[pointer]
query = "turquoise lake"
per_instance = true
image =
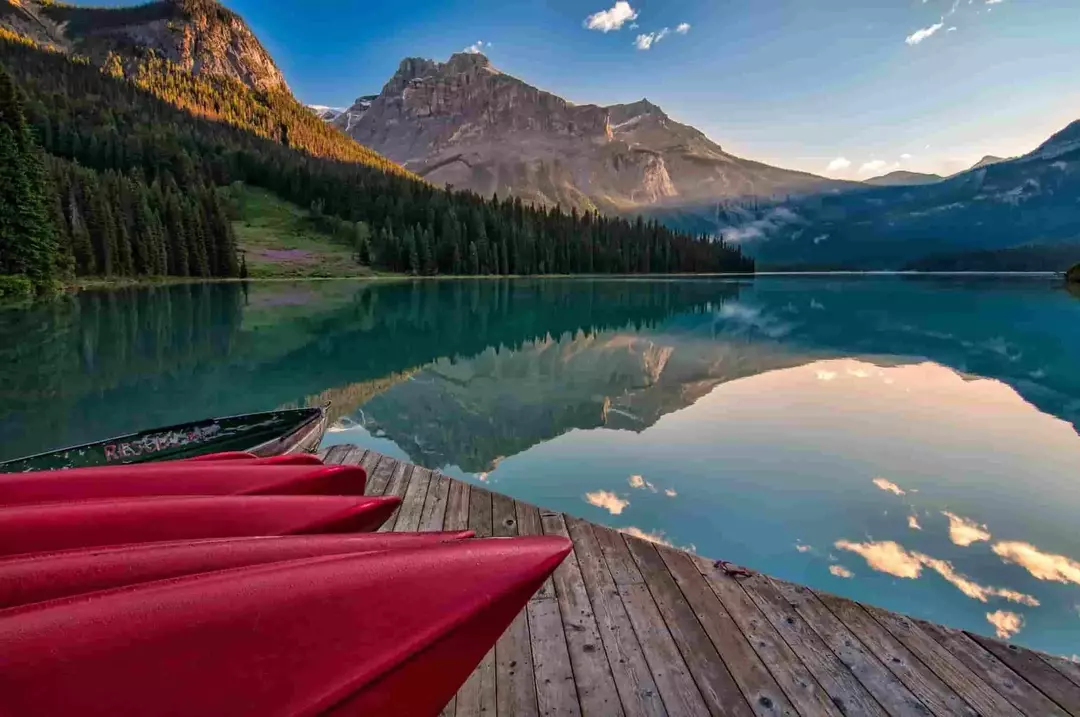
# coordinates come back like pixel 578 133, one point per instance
pixel 910 442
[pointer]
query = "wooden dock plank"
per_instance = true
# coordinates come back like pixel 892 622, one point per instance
pixel 368 461
pixel 886 688
pixel 945 665
pixel 433 515
pixel 1069 668
pixel 993 671
pixel 845 690
pixel 556 690
pixel 515 687
pixel 412 505
pixel 353 456
pixel 750 673
pixel 457 506
pixel 382 470
pixel 718 688
pixel 790 673
pixel 633 680
pixel 1035 670
pixel 336 453
pixel 398 485
pixel 477 695
pixel 597 693
pixel 918 678
pixel 678 690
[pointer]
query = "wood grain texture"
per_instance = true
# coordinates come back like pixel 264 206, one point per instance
pixel 457 506
pixel 412 505
pixel 382 470
pixel 336 453
pixel 515 686
pixel 1035 670
pixel 478 695
pixel 398 484
pixel 433 516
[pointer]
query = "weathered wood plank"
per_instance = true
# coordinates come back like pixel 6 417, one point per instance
pixel 528 518
pixel 993 671
pixel 845 690
pixel 790 673
pixel 882 684
pixel 515 686
pixel 945 665
pixel 750 673
pixel 336 453
pixel 721 694
pixel 380 473
pixel 412 505
pixel 434 513
pixel 677 688
pixel 1032 668
pixel 918 678
pixel 321 453
pixel 634 681
pixel 457 506
pixel 353 456
pixel 1068 668
pixel 556 690
pixel 592 673
pixel 368 461
pixel 398 485
pixel 477 696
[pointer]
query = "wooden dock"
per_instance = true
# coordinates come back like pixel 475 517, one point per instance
pixel 628 627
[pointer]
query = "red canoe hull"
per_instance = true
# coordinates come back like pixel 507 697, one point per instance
pixel 49 576
pixel 180 478
pixel 388 633
pixel 87 524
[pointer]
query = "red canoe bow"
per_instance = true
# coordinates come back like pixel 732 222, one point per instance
pixel 91 523
pixel 389 633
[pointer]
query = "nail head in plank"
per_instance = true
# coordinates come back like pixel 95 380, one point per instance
pixel 787 669
pixel 504 522
pixel 879 681
pixel 596 686
pixel 634 681
pixel 916 676
pixel 480 512
pixel 757 684
pixel 993 671
pixel 1032 668
pixel 515 685
pixel 528 519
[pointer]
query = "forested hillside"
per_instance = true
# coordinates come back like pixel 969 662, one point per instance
pixel 136 159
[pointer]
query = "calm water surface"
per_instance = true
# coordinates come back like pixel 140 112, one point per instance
pixel 907 442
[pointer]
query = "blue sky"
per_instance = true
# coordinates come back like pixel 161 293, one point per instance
pixel 882 84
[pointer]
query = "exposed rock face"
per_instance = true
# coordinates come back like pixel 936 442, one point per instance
pixel 465 123
pixel 199 35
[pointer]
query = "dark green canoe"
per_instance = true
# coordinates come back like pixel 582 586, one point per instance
pixel 264 434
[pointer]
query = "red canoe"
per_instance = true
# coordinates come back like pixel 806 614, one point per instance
pixel 180 478
pixel 390 633
pixel 91 523
pixel 49 576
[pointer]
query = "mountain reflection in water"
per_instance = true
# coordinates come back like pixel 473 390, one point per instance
pixel 907 442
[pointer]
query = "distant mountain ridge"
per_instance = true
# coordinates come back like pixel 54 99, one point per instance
pixel 200 36
pixel 465 123
pixel 901 178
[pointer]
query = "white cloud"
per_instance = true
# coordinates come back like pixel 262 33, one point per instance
pixel 951 29
pixel 891 558
pixel 607 500
pixel 840 571
pixel 913 522
pixel 611 19
pixel 905 156
pixel 964 532
pixel 837 164
pixel 670 492
pixel 1005 623
pixel 646 41
pixel 639 482
pixel 887 485
pixel 653 537
pixel 994 2
pixel 803 548
pixel 477 47
pixel 877 166
pixel 1044 566
pixel 634 26
pixel 683 28
pixel 919 35
pixel 826 375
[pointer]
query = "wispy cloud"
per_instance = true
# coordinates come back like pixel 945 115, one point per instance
pixel 888 486
pixel 611 19
pixel 636 481
pixel 840 571
pixel 876 166
pixel 913 522
pixel 670 492
pixel 994 2
pixel 891 558
pixel 477 47
pixel 1005 623
pixel 607 500
pixel 919 35
pixel 964 532
pixel 653 537
pixel 951 29
pixel 905 156
pixel 826 375
pixel 838 164
pixel 683 28
pixel 1044 566
pixel 646 41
